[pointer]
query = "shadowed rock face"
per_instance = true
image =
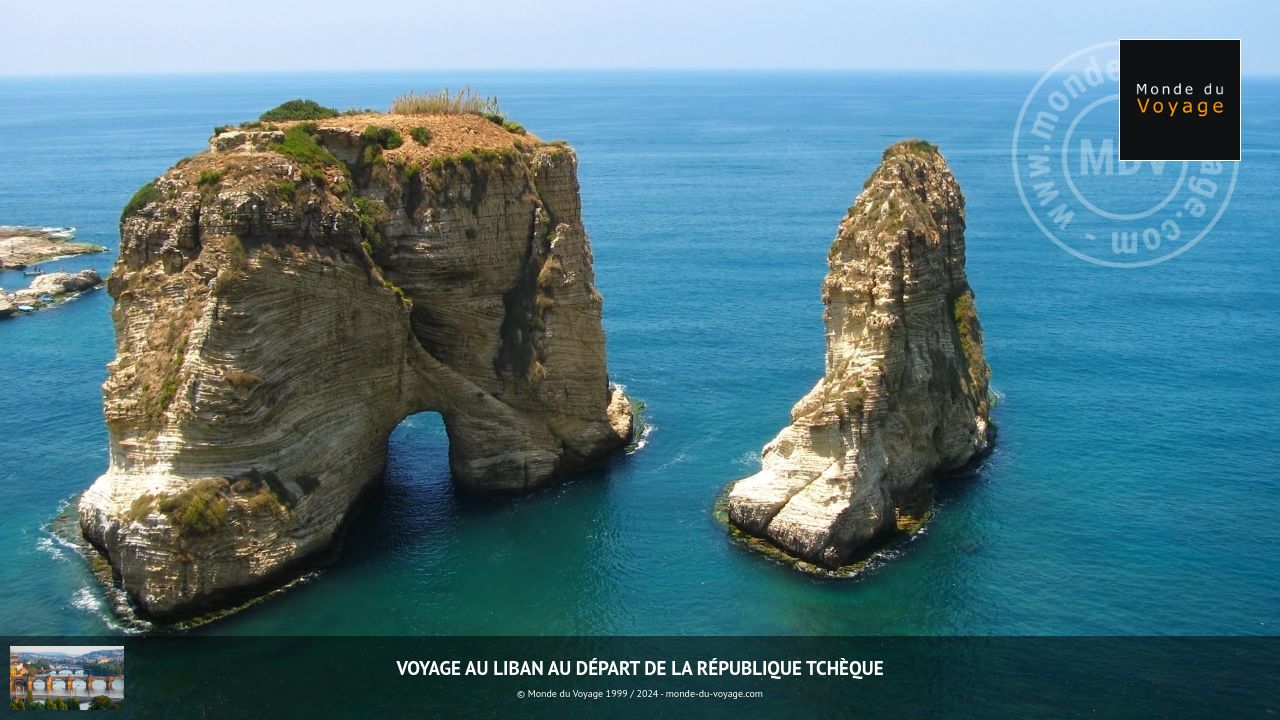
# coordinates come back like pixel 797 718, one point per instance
pixel 904 396
pixel 278 314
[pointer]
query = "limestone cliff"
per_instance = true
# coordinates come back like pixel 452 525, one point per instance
pixel 285 299
pixel 904 395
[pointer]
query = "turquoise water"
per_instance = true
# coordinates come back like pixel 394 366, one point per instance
pixel 1132 492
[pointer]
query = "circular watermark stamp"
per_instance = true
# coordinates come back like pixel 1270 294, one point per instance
pixel 1099 208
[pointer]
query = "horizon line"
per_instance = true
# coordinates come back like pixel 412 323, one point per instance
pixel 538 70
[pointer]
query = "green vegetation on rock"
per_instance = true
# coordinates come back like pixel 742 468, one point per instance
pixel 409 169
pixel 474 159
pixel 379 139
pixel 372 213
pixel 508 125
pixel 285 190
pixel 300 143
pixel 143 197
pixel 198 510
pixel 965 314
pixel 298 109
pixel 209 178
pixel 420 135
pixel 388 138
pixel 915 147
pixel 260 497
pixel 141 507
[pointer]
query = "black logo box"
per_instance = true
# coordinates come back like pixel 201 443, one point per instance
pixel 1187 68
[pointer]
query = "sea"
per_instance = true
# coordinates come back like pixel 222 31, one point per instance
pixel 1133 486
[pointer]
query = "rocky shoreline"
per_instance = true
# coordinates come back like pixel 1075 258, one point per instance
pixel 21 247
pixel 46 290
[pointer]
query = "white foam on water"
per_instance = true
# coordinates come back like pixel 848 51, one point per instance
pixel 86 601
pixel 679 458
pixel 54 544
pixel 50 545
pixel 646 429
pixel 749 459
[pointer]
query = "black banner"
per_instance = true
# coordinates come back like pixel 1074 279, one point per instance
pixel 193 676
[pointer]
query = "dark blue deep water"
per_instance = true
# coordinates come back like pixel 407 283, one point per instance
pixel 1134 489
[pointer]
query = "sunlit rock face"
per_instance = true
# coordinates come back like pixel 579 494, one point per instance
pixel 904 396
pixel 284 300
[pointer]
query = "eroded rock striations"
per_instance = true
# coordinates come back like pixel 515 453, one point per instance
pixel 284 300
pixel 904 396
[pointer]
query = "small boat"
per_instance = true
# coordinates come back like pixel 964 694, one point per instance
pixel 26 308
pixel 33 270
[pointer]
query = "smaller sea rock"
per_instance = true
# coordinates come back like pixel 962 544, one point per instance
pixel 60 283
pixel 904 396
pixel 47 289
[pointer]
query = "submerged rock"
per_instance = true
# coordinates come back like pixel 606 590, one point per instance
pixel 904 396
pixel 284 300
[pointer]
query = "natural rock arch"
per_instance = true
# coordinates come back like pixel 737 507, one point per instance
pixel 277 316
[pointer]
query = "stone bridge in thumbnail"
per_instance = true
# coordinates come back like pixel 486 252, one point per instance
pixel 49 682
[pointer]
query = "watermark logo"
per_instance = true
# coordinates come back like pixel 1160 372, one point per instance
pixel 1107 211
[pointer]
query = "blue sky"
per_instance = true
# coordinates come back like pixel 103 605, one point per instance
pixel 168 36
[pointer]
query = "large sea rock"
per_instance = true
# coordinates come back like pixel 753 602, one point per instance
pixel 904 397
pixel 284 300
